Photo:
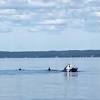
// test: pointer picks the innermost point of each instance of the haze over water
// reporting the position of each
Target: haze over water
(38, 84)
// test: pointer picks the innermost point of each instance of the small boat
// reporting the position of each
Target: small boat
(70, 68)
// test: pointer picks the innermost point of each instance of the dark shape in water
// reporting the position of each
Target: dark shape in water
(71, 70)
(74, 69)
(20, 69)
(49, 69)
(64, 70)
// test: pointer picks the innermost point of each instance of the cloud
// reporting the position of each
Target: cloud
(2, 2)
(21, 17)
(16, 15)
(46, 15)
(35, 29)
(53, 21)
(65, 1)
(97, 14)
(7, 12)
(41, 3)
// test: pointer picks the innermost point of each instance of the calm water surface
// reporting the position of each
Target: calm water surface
(35, 83)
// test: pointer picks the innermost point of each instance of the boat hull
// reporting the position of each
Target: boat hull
(74, 70)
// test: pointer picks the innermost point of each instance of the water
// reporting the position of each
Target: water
(35, 83)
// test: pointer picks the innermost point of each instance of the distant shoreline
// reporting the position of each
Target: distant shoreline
(50, 54)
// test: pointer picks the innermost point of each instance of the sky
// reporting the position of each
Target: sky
(42, 25)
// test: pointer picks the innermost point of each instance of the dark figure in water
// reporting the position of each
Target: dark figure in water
(19, 69)
(64, 70)
(49, 69)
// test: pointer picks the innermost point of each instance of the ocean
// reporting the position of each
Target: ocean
(34, 82)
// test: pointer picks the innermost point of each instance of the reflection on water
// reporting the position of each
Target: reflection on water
(70, 74)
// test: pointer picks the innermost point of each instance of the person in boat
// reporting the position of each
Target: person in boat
(68, 67)
(49, 69)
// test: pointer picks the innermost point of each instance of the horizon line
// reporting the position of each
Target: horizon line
(51, 50)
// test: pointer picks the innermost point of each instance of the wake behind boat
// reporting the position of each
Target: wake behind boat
(21, 71)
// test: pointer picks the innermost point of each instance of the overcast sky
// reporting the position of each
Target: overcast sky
(27, 25)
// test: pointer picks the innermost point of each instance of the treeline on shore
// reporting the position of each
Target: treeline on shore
(50, 54)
